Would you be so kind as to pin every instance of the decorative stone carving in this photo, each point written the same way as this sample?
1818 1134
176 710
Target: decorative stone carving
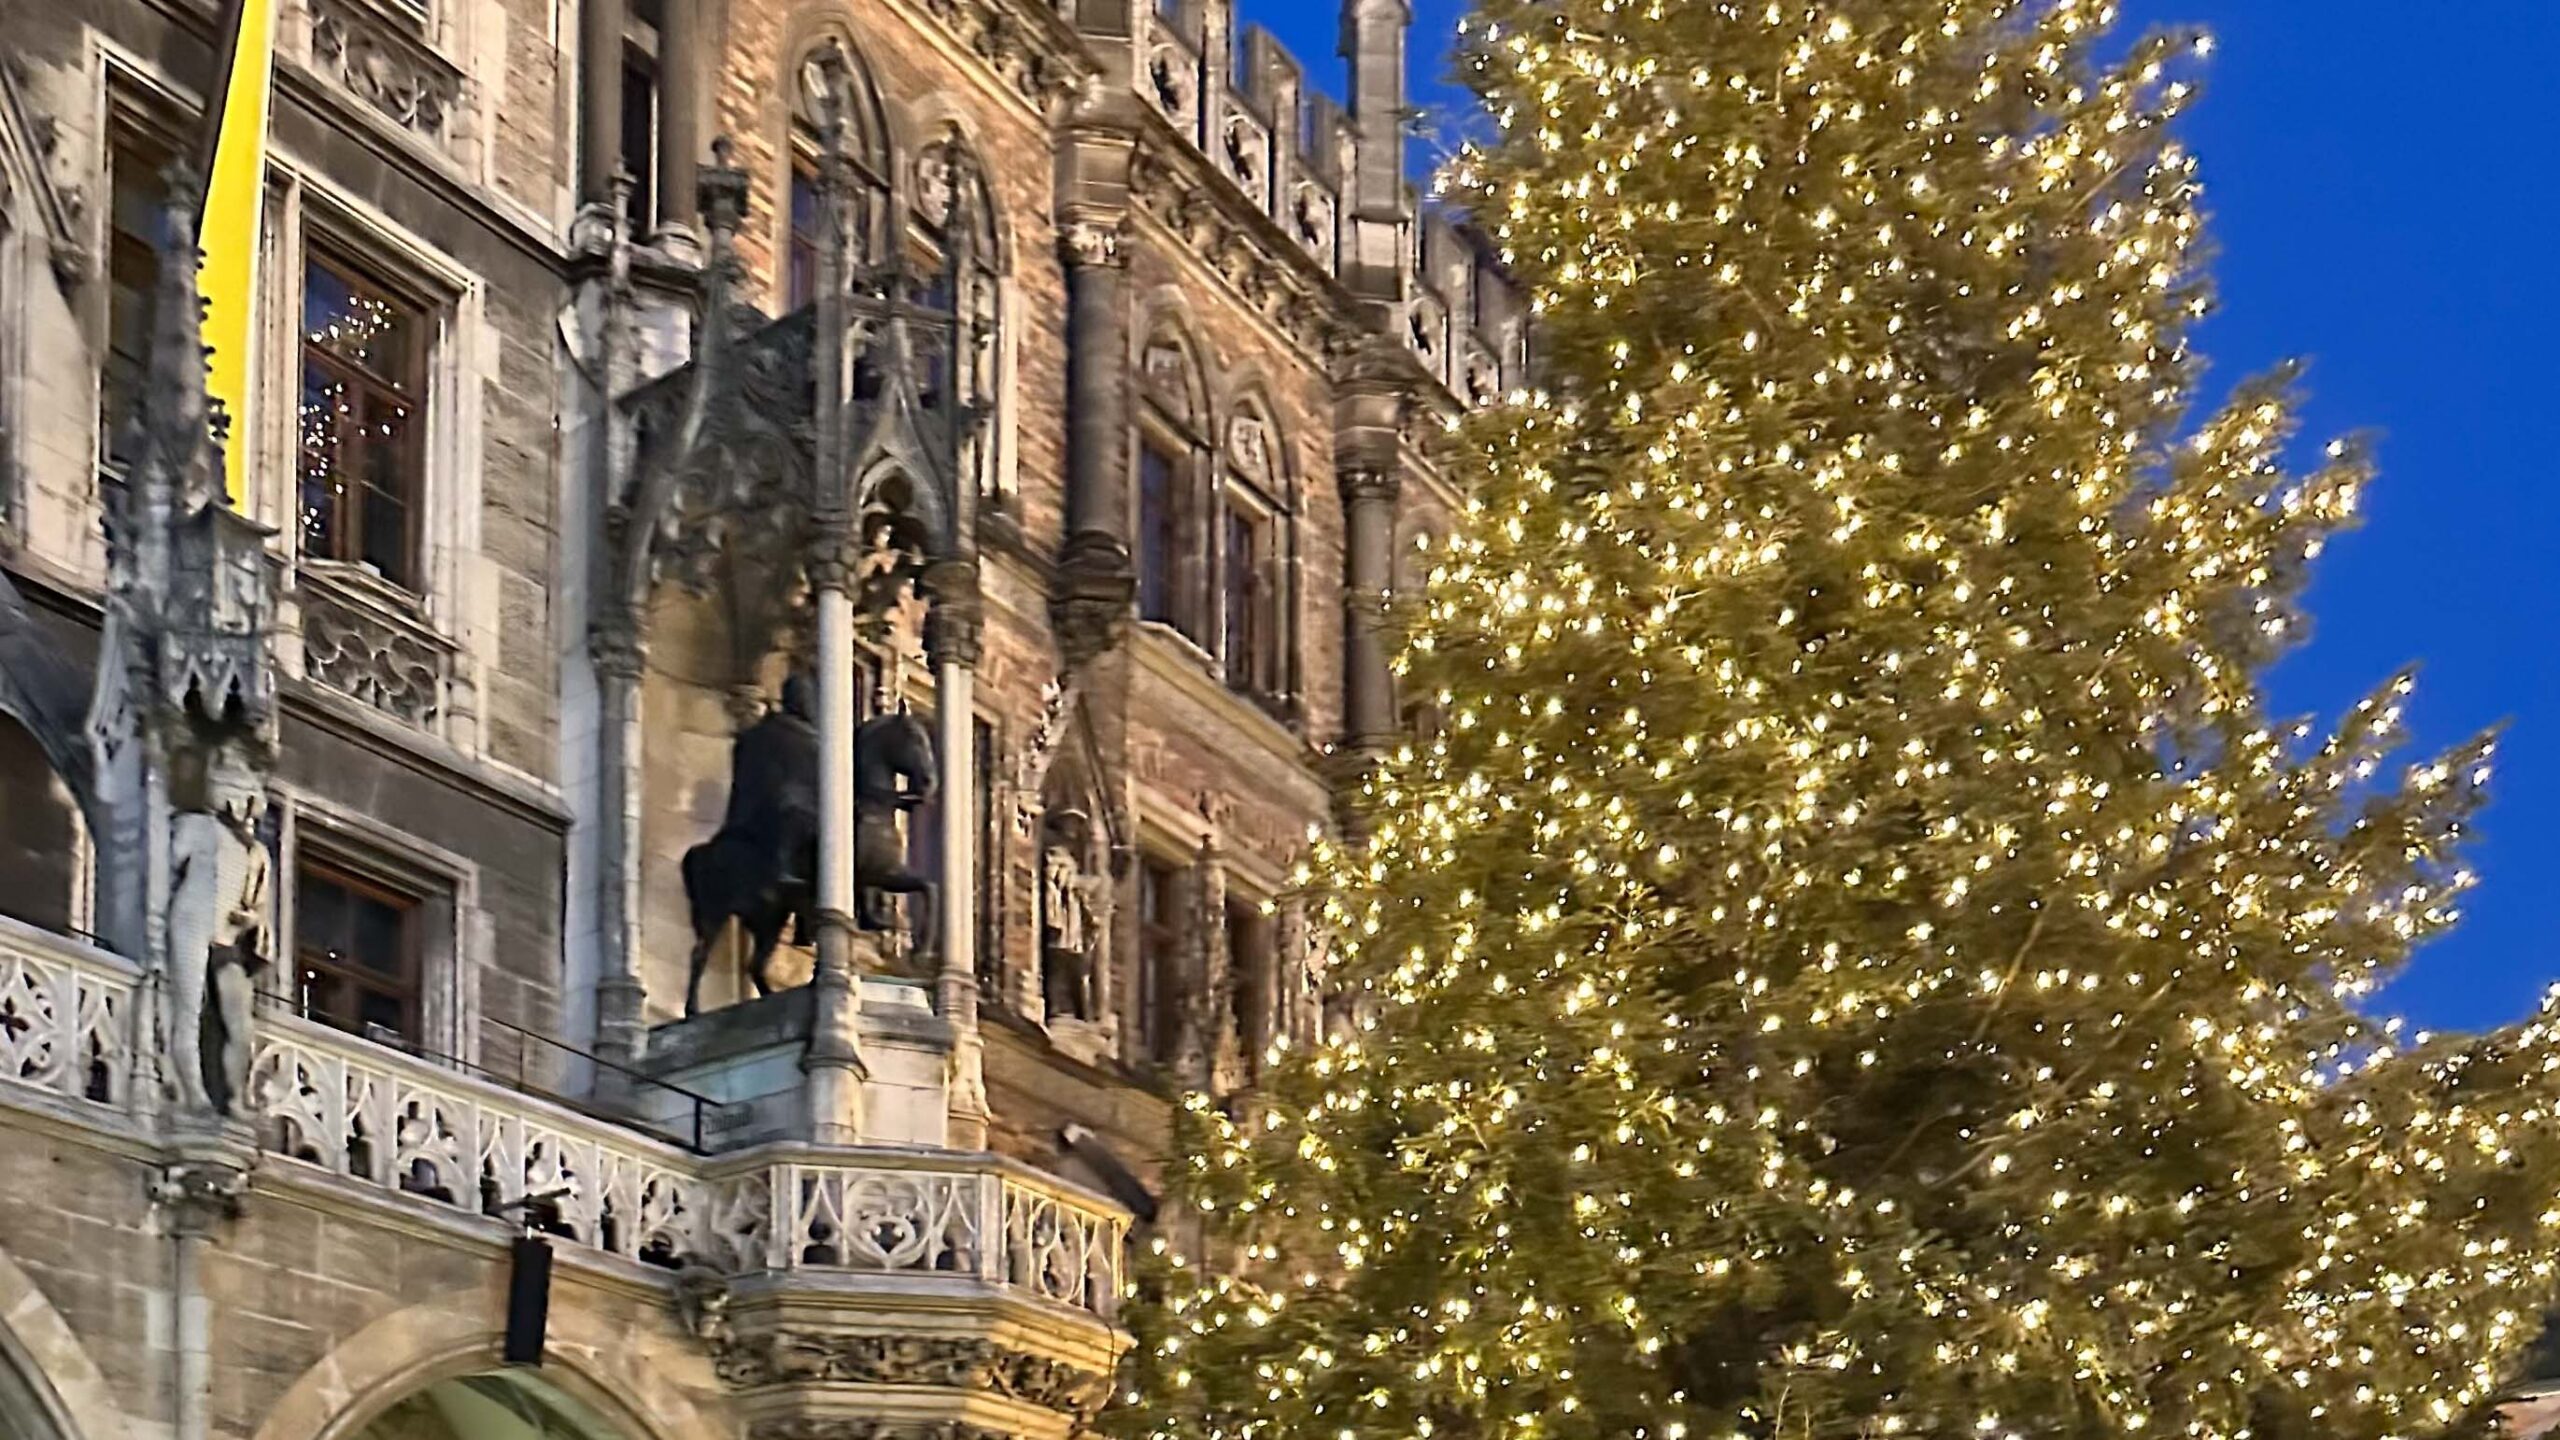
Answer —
1249 449
1234 234
387 66
1094 242
1173 82
941 1362
1427 330
865 1427
1312 209
191 1198
1042 62
1245 147
362 646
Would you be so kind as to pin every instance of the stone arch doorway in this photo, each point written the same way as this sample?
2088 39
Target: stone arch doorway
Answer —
27 1411
499 1405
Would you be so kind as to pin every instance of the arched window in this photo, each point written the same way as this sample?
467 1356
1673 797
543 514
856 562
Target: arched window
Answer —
1253 561
867 169
1171 452
957 244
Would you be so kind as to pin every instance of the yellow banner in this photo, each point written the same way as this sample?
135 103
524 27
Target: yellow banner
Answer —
234 200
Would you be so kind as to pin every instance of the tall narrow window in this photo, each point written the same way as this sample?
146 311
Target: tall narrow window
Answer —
642 22
866 172
640 136
990 858
364 361
1159 534
355 948
1252 564
808 235
1252 589
137 175
1249 993
1160 891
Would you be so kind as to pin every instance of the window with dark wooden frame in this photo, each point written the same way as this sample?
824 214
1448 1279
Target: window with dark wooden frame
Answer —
362 419
1251 600
1159 534
808 233
1160 891
137 179
643 22
1249 979
355 951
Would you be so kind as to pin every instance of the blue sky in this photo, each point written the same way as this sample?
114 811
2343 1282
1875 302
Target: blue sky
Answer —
2382 180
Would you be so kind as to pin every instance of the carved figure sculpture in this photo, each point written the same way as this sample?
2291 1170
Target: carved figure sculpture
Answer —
1066 919
893 773
217 922
760 868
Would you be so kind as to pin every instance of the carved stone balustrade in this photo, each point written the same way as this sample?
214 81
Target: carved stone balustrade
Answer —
72 1022
340 1110
361 639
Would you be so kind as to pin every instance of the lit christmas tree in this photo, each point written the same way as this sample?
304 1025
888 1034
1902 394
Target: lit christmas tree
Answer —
1861 959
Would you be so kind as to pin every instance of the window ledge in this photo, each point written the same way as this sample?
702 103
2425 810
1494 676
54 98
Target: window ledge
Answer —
1166 652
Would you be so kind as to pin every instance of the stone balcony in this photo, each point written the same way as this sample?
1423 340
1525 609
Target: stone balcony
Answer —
955 1287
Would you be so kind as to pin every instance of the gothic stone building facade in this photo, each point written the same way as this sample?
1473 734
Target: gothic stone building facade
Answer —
1049 370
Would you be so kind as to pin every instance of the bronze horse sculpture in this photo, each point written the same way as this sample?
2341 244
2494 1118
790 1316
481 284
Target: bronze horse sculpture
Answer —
760 869
893 773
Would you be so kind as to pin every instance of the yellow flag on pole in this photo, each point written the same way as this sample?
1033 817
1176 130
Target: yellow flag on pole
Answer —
234 200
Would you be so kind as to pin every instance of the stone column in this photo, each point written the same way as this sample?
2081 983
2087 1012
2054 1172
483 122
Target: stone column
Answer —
1369 720
1096 579
619 656
683 75
600 26
952 643
834 1060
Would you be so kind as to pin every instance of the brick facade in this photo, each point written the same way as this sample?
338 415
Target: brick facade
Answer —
440 739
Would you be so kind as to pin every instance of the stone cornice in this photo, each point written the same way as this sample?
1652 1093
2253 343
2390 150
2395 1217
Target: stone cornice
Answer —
1175 186
1025 44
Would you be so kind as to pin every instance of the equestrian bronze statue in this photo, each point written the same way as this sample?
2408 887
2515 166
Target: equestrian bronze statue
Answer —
761 868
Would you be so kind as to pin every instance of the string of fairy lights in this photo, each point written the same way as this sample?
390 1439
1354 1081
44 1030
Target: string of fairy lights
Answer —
1859 958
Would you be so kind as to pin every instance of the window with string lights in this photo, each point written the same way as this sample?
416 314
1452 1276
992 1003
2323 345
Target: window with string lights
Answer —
361 420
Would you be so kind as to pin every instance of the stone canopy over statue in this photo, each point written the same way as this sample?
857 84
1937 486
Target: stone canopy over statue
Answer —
761 868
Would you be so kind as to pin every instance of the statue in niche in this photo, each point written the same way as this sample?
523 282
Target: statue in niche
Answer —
217 926
760 869
1066 918
893 774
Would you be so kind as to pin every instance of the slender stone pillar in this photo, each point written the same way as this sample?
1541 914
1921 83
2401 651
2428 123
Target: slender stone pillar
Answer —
952 640
600 26
1370 722
619 656
834 1059
1096 579
683 66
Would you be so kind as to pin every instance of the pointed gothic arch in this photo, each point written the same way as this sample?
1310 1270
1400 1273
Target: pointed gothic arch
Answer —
868 146
50 1389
